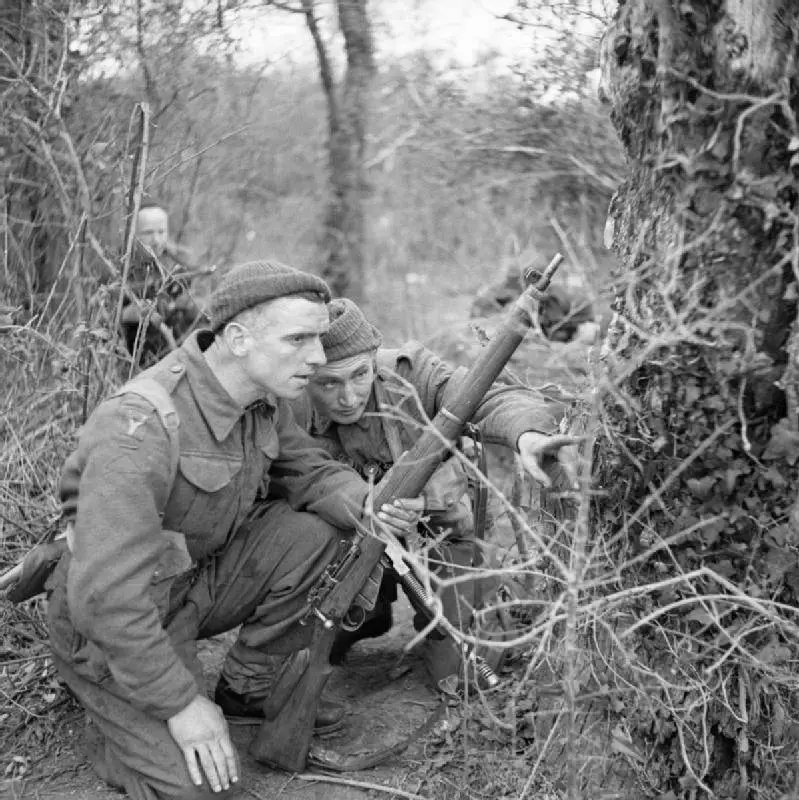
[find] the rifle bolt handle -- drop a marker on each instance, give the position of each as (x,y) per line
(327,623)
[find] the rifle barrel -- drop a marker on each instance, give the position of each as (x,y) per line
(412,471)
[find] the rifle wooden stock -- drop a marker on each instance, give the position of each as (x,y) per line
(284,739)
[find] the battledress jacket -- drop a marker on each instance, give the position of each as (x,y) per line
(116,487)
(415,383)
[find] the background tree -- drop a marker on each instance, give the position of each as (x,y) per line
(37,94)
(697,459)
(348,109)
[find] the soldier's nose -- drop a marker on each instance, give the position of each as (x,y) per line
(347,396)
(316,356)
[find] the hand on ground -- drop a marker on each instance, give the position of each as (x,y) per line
(201,732)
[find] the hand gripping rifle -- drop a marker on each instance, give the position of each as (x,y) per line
(284,738)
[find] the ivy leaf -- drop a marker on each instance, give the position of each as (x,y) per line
(699,615)
(701,487)
(774,653)
(774,477)
(691,393)
(784,443)
(622,743)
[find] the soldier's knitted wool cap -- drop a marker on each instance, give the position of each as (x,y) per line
(248,285)
(350,333)
(148,201)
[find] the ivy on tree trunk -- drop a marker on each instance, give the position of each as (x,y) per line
(696,461)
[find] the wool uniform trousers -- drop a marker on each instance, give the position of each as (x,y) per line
(260,581)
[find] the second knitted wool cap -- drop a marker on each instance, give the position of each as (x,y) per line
(350,333)
(248,285)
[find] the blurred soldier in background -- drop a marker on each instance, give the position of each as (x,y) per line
(160,274)
(560,314)
(368,404)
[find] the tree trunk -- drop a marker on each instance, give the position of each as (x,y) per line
(35,73)
(344,239)
(696,464)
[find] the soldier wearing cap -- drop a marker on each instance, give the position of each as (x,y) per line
(172,539)
(155,258)
(368,404)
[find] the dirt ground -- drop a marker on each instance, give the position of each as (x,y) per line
(386,702)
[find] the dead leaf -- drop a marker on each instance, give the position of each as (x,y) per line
(784,443)
(774,653)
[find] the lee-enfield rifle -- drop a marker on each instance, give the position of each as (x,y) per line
(284,737)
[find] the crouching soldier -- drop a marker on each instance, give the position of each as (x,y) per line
(368,404)
(170,541)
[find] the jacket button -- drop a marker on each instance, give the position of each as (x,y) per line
(177,368)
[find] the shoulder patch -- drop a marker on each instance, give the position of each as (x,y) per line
(136,420)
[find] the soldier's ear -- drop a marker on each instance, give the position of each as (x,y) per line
(238,338)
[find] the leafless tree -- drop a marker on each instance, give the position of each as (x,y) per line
(348,102)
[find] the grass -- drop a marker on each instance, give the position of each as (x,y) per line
(445,221)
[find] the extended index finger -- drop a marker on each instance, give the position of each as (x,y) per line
(415,504)
(561,440)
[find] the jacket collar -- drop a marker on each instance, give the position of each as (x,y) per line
(220,411)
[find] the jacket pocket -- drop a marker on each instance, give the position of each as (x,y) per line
(209,473)
(204,494)
(173,561)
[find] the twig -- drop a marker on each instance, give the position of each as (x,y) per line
(376,787)
(540,757)
(34,657)
(199,153)
(516,524)
(132,210)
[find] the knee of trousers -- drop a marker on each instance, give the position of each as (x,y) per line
(316,534)
(174,784)
(321,531)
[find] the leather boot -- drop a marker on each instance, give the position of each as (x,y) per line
(239,709)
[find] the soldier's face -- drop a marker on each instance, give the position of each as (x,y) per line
(340,390)
(152,229)
(283,348)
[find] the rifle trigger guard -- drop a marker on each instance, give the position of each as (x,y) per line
(354,618)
